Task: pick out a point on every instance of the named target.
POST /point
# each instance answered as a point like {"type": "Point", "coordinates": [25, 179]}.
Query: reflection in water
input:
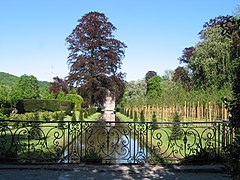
{"type": "Point", "coordinates": [113, 142]}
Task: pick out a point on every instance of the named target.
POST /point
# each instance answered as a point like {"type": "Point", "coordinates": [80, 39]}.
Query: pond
{"type": "Point", "coordinates": [106, 142]}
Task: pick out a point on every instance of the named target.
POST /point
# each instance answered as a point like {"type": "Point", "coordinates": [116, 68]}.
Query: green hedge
{"type": "Point", "coordinates": [33, 105]}
{"type": "Point", "coordinates": [6, 111]}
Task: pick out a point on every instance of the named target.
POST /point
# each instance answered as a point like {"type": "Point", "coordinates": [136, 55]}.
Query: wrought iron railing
{"type": "Point", "coordinates": [111, 142]}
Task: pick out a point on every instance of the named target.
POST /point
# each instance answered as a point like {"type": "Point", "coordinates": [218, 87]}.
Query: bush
{"type": "Point", "coordinates": [154, 120]}
{"type": "Point", "coordinates": [55, 116]}
{"type": "Point", "coordinates": [176, 129]}
{"type": "Point", "coordinates": [46, 116]}
{"type": "Point", "coordinates": [2, 116]}
{"type": "Point", "coordinates": [135, 119]}
{"type": "Point", "coordinates": [33, 105]}
{"type": "Point", "coordinates": [142, 119]}
{"type": "Point", "coordinates": [131, 114]}
{"type": "Point", "coordinates": [92, 157]}
{"type": "Point", "coordinates": [74, 116]}
{"type": "Point", "coordinates": [61, 115]}
{"type": "Point", "coordinates": [81, 115]}
{"type": "Point", "coordinates": [86, 113]}
{"type": "Point", "coordinates": [6, 111]}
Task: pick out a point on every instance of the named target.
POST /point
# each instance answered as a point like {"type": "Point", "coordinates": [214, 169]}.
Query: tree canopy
{"type": "Point", "coordinates": [27, 87]}
{"type": "Point", "coordinates": [95, 58]}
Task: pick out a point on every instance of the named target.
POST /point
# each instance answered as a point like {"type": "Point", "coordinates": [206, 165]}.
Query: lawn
{"type": "Point", "coordinates": [196, 137]}
{"type": "Point", "coordinates": [38, 141]}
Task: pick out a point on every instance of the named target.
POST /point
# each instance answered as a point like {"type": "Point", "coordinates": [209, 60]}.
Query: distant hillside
{"type": "Point", "coordinates": [7, 79]}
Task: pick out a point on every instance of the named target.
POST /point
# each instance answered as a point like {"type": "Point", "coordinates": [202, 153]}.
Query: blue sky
{"type": "Point", "coordinates": [33, 32]}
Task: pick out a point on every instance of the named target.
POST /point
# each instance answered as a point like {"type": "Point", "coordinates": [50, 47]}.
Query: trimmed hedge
{"type": "Point", "coordinates": [33, 105]}
{"type": "Point", "coordinates": [6, 111]}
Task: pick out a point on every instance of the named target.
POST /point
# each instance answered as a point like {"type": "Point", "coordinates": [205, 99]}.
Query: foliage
{"type": "Point", "coordinates": [58, 85]}
{"type": "Point", "coordinates": [154, 87]}
{"type": "Point", "coordinates": [95, 58]}
{"type": "Point", "coordinates": [74, 118]}
{"type": "Point", "coordinates": [167, 74]}
{"type": "Point", "coordinates": [45, 93]}
{"type": "Point", "coordinates": [181, 75]}
{"type": "Point", "coordinates": [92, 157]}
{"type": "Point", "coordinates": [142, 118]}
{"type": "Point", "coordinates": [135, 118]}
{"type": "Point", "coordinates": [176, 129]}
{"type": "Point", "coordinates": [7, 79]}
{"type": "Point", "coordinates": [232, 27]}
{"type": "Point", "coordinates": [32, 105]}
{"type": "Point", "coordinates": [187, 53]}
{"type": "Point", "coordinates": [27, 87]}
{"type": "Point", "coordinates": [131, 114]}
{"type": "Point", "coordinates": [46, 116]}
{"type": "Point", "coordinates": [76, 99]}
{"type": "Point", "coordinates": [5, 94]}
{"type": "Point", "coordinates": [81, 115]}
{"type": "Point", "coordinates": [3, 116]}
{"type": "Point", "coordinates": [154, 120]}
{"type": "Point", "coordinates": [85, 115]}
{"type": "Point", "coordinates": [135, 93]}
{"type": "Point", "coordinates": [149, 75]}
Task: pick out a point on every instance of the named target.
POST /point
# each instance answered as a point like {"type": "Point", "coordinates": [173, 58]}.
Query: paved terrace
{"type": "Point", "coordinates": [107, 172]}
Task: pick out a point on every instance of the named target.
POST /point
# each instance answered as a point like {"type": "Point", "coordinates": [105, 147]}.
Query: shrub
{"type": "Point", "coordinates": [61, 115]}
{"type": "Point", "coordinates": [154, 120]}
{"type": "Point", "coordinates": [33, 105]}
{"type": "Point", "coordinates": [46, 116]}
{"type": "Point", "coordinates": [74, 116]}
{"type": "Point", "coordinates": [135, 116]}
{"type": "Point", "coordinates": [86, 113]}
{"type": "Point", "coordinates": [92, 157]}
{"type": "Point", "coordinates": [176, 129]}
{"type": "Point", "coordinates": [6, 111]}
{"type": "Point", "coordinates": [142, 119]}
{"type": "Point", "coordinates": [3, 116]}
{"type": "Point", "coordinates": [55, 116]}
{"type": "Point", "coordinates": [131, 114]}
{"type": "Point", "coordinates": [81, 115]}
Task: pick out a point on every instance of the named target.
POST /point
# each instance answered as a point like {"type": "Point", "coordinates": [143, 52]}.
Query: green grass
{"type": "Point", "coordinates": [50, 140]}
{"type": "Point", "coordinates": [160, 138]}
{"type": "Point", "coordinates": [93, 117]}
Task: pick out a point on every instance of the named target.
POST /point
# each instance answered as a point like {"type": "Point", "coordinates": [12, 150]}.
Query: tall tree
{"type": "Point", "coordinates": [135, 92]}
{"type": "Point", "coordinates": [154, 87]}
{"type": "Point", "coordinates": [27, 87]}
{"type": "Point", "coordinates": [149, 75]}
{"type": "Point", "coordinates": [181, 75]}
{"type": "Point", "coordinates": [95, 58]}
{"type": "Point", "coordinates": [209, 61]}
{"type": "Point", "coordinates": [58, 85]}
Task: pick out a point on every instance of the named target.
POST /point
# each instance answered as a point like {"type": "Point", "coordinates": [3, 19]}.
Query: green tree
{"type": "Point", "coordinates": [74, 116]}
{"type": "Point", "coordinates": [5, 94]}
{"type": "Point", "coordinates": [142, 118]}
{"type": "Point", "coordinates": [209, 61]}
{"type": "Point", "coordinates": [135, 118]}
{"type": "Point", "coordinates": [45, 93]}
{"type": "Point", "coordinates": [27, 87]}
{"type": "Point", "coordinates": [154, 87]}
{"type": "Point", "coordinates": [135, 93]}
{"type": "Point", "coordinates": [76, 99]}
{"type": "Point", "coordinates": [176, 129]}
{"type": "Point", "coordinates": [154, 120]}
{"type": "Point", "coordinates": [61, 95]}
{"type": "Point", "coordinates": [81, 115]}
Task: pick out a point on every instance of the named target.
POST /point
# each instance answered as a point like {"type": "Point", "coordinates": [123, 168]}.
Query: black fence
{"type": "Point", "coordinates": [112, 142]}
